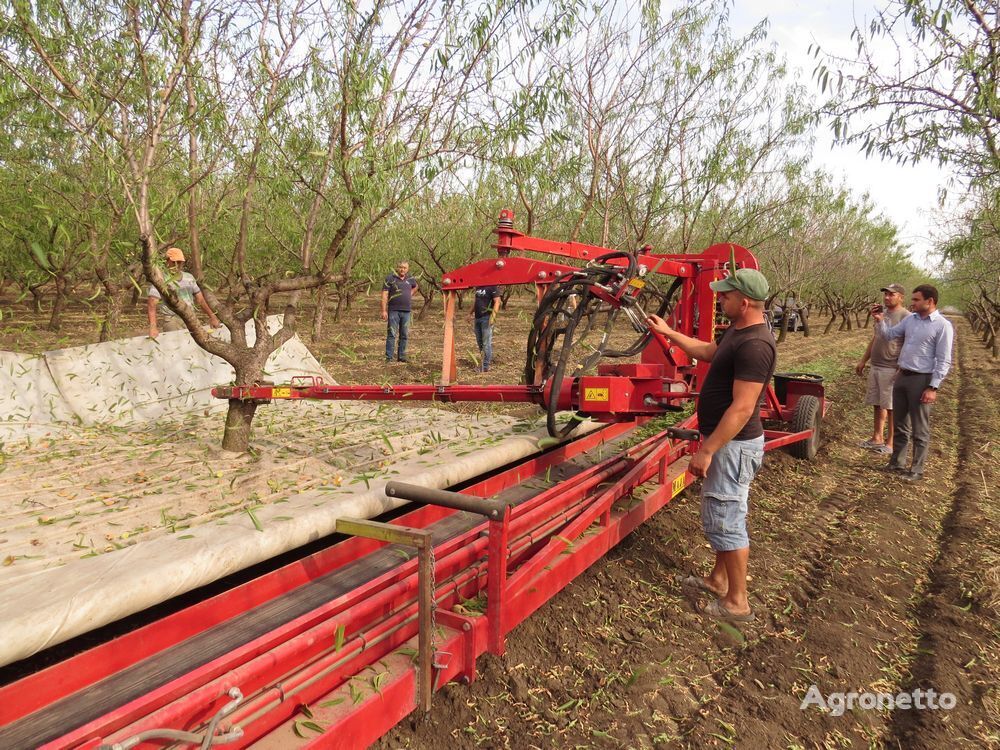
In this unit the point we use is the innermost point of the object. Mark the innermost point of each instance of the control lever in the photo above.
(681, 434)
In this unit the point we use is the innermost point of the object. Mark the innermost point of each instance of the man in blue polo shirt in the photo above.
(397, 303)
(924, 361)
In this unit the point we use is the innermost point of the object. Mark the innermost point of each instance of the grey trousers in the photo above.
(911, 418)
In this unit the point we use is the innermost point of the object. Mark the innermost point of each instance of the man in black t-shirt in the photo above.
(484, 313)
(397, 302)
(732, 447)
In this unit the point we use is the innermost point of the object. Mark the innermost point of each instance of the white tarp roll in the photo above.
(51, 606)
(66, 496)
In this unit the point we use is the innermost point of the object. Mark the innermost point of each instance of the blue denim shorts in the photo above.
(724, 493)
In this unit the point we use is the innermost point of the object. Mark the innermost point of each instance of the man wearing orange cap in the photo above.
(187, 290)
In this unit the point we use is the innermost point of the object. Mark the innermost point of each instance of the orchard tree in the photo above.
(924, 84)
(193, 105)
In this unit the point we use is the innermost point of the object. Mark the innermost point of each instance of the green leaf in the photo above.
(256, 523)
(41, 256)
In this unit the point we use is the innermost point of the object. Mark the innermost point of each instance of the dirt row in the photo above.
(860, 581)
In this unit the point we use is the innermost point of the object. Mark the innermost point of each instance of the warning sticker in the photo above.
(281, 392)
(595, 394)
(678, 486)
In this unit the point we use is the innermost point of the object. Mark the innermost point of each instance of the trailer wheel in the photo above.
(807, 417)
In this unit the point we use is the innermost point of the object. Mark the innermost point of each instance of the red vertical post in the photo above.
(496, 582)
(449, 371)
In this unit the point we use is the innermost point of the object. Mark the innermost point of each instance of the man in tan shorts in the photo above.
(883, 355)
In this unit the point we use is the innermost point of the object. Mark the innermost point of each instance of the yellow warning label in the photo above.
(637, 283)
(281, 392)
(678, 486)
(595, 394)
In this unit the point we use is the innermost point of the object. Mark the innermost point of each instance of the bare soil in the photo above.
(860, 581)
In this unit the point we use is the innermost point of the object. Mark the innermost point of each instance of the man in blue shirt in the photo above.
(924, 361)
(397, 303)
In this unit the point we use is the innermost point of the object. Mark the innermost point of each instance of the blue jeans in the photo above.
(725, 490)
(398, 327)
(484, 339)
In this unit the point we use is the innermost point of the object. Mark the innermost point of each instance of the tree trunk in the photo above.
(36, 297)
(58, 305)
(428, 298)
(317, 327)
(804, 317)
(113, 297)
(239, 419)
(239, 424)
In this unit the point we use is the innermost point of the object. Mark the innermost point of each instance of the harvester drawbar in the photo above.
(336, 648)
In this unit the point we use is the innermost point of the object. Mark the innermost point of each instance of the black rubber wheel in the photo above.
(807, 417)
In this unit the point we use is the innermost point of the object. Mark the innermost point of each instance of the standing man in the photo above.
(883, 354)
(397, 303)
(732, 447)
(484, 313)
(187, 290)
(924, 361)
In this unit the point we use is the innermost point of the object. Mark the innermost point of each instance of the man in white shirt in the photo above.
(924, 361)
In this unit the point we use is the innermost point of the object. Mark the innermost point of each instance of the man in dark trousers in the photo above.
(397, 303)
(484, 313)
(732, 447)
(924, 361)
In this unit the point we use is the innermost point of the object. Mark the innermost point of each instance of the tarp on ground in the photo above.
(142, 379)
(125, 382)
(31, 404)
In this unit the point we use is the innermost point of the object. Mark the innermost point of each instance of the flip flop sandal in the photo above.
(692, 581)
(717, 610)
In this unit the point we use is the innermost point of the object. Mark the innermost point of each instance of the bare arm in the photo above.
(694, 348)
(385, 305)
(746, 394)
(203, 304)
(860, 367)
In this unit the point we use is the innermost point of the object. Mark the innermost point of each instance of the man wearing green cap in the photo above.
(732, 447)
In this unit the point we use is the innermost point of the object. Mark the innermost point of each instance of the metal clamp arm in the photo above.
(490, 508)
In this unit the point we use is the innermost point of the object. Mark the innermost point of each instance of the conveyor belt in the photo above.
(130, 683)
(94, 701)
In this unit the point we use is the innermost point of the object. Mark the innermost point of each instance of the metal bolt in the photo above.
(542, 274)
(500, 264)
(466, 627)
(445, 280)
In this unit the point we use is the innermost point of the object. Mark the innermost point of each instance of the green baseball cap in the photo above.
(747, 282)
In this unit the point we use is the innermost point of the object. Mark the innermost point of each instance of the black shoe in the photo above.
(402, 359)
(912, 476)
(895, 469)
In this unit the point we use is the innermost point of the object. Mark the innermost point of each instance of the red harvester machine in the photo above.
(334, 649)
